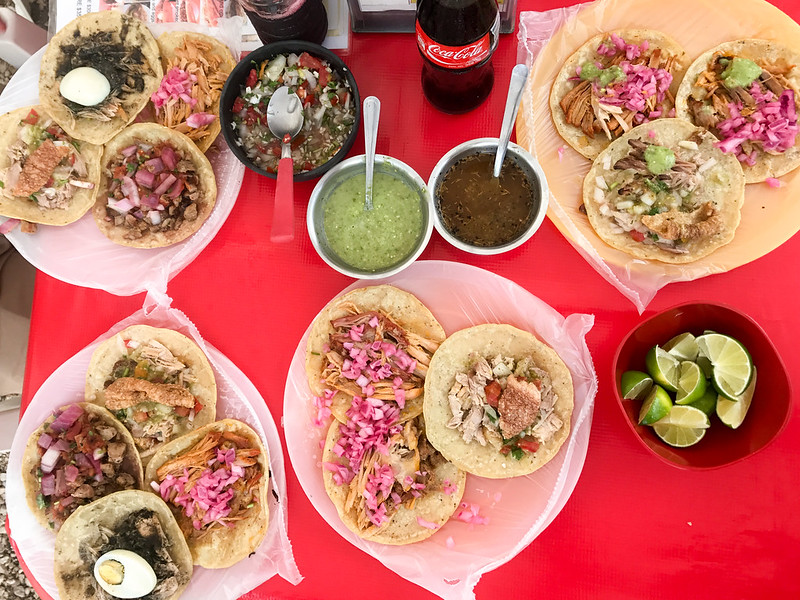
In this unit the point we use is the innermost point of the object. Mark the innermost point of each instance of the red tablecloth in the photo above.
(634, 527)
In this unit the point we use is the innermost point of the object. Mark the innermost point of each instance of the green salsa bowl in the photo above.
(370, 244)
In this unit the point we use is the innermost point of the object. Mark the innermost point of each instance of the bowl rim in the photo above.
(632, 426)
(482, 144)
(316, 197)
(271, 49)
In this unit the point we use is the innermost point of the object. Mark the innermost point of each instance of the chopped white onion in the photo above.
(707, 165)
(648, 198)
(599, 196)
(624, 205)
(601, 182)
(688, 144)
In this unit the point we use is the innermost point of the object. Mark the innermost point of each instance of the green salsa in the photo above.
(659, 159)
(740, 72)
(375, 239)
(591, 71)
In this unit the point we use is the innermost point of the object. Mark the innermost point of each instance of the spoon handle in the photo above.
(372, 113)
(518, 76)
(283, 210)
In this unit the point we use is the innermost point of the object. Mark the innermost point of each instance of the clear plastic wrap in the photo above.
(518, 509)
(237, 399)
(79, 253)
(770, 215)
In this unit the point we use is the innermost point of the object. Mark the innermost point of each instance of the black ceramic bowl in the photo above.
(236, 80)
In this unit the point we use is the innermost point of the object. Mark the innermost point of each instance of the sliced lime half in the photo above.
(663, 368)
(733, 412)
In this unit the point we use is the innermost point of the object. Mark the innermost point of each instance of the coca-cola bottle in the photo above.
(456, 39)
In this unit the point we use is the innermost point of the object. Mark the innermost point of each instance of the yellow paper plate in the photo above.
(770, 216)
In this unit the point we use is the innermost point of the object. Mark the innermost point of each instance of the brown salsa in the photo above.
(481, 210)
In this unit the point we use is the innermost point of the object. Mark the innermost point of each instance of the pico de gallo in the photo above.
(328, 111)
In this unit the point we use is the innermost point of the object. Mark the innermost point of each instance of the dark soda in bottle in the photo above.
(457, 39)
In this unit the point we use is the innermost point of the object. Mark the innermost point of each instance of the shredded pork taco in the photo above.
(79, 454)
(215, 481)
(156, 187)
(195, 69)
(746, 93)
(389, 485)
(98, 73)
(372, 342)
(125, 545)
(498, 401)
(46, 176)
(665, 191)
(156, 381)
(612, 83)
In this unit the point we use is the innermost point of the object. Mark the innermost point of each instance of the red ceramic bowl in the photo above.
(721, 445)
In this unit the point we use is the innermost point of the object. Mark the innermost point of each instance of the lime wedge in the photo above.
(663, 368)
(708, 402)
(635, 385)
(691, 383)
(733, 412)
(655, 407)
(683, 426)
(705, 365)
(733, 367)
(682, 347)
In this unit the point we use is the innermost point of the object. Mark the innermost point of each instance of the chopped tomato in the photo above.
(238, 105)
(309, 99)
(505, 449)
(32, 118)
(298, 139)
(342, 97)
(334, 99)
(197, 406)
(252, 79)
(324, 77)
(72, 158)
(182, 411)
(310, 62)
(308, 166)
(493, 391)
(637, 236)
(140, 416)
(528, 444)
(52, 130)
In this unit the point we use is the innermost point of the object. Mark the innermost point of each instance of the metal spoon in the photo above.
(285, 120)
(372, 114)
(518, 76)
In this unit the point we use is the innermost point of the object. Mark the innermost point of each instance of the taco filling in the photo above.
(45, 166)
(149, 391)
(751, 108)
(190, 89)
(625, 85)
(655, 194)
(81, 459)
(123, 65)
(153, 188)
(506, 403)
(369, 355)
(386, 464)
(140, 533)
(214, 484)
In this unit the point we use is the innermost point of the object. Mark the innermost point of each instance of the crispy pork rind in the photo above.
(434, 508)
(108, 28)
(405, 309)
(31, 460)
(565, 82)
(764, 53)
(722, 186)
(204, 389)
(222, 546)
(83, 534)
(458, 354)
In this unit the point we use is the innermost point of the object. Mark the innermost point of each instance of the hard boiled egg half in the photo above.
(124, 574)
(85, 86)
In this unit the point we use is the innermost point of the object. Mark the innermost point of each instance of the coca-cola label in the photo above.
(458, 57)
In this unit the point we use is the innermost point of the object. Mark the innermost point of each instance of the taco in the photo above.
(391, 486)
(612, 83)
(746, 93)
(156, 188)
(374, 341)
(47, 176)
(97, 74)
(125, 545)
(156, 381)
(195, 69)
(215, 481)
(498, 401)
(79, 454)
(664, 191)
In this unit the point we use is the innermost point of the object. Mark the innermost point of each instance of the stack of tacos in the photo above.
(367, 358)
